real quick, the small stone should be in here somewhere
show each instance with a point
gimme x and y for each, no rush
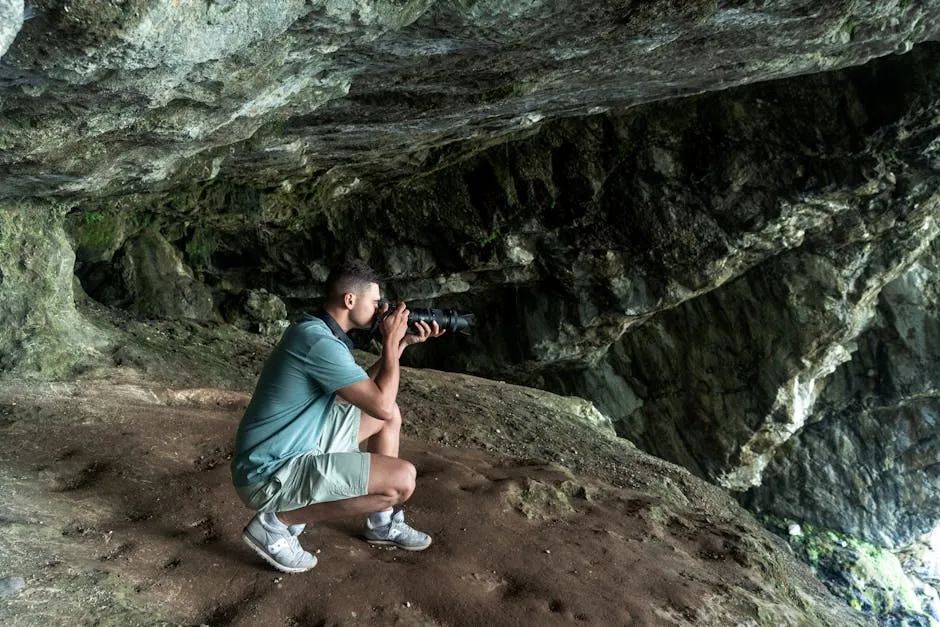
(548, 552)
(794, 529)
(10, 585)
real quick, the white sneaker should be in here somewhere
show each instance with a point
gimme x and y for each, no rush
(279, 547)
(397, 533)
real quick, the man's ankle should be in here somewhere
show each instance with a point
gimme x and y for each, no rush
(272, 520)
(380, 519)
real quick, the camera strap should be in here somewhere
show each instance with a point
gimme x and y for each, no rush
(335, 328)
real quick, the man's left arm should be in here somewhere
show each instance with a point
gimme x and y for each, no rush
(424, 332)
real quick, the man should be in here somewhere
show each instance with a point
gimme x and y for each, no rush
(297, 458)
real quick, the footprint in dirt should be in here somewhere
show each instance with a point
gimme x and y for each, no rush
(84, 478)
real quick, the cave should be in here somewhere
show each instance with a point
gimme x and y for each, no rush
(698, 241)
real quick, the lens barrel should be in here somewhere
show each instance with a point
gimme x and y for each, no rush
(449, 320)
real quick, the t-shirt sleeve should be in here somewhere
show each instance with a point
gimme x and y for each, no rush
(331, 365)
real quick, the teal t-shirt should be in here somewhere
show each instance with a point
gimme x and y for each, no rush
(294, 395)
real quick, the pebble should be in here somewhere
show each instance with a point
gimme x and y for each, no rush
(10, 585)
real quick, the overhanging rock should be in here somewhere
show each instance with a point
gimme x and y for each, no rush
(99, 98)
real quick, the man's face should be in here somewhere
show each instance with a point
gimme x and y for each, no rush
(365, 306)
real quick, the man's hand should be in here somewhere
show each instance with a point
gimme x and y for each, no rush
(423, 332)
(395, 325)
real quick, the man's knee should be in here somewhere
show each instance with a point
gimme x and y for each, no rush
(405, 480)
(410, 479)
(397, 482)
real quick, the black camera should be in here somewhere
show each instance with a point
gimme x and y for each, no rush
(449, 320)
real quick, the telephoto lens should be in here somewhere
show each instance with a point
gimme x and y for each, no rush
(449, 320)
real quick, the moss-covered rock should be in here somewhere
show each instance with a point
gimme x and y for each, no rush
(868, 578)
(160, 284)
(40, 330)
(98, 234)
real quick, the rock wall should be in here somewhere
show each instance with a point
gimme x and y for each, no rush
(11, 20)
(869, 463)
(41, 331)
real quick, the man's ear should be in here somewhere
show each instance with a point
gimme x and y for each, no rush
(349, 300)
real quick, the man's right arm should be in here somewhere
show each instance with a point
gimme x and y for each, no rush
(377, 398)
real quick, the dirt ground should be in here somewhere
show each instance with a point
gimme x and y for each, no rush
(116, 508)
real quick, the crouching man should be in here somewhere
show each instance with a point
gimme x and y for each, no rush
(297, 457)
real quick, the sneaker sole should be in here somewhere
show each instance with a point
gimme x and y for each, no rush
(270, 560)
(400, 546)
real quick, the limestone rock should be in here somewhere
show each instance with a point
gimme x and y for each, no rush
(869, 464)
(10, 585)
(40, 330)
(264, 307)
(267, 312)
(160, 284)
(11, 20)
(101, 98)
(729, 376)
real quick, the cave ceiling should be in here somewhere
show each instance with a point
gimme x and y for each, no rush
(100, 98)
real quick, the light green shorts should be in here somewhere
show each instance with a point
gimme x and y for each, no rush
(335, 470)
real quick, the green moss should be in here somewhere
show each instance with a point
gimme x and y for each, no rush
(201, 246)
(489, 238)
(868, 578)
(848, 29)
(101, 230)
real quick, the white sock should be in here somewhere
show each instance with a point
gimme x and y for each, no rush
(380, 519)
(296, 529)
(271, 520)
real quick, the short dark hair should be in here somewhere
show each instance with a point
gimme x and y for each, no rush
(349, 277)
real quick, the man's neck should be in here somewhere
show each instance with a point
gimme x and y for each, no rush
(341, 316)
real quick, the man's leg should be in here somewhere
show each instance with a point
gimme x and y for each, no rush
(384, 525)
(382, 436)
(275, 536)
(391, 482)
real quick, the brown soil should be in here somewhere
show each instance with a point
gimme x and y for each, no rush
(116, 508)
